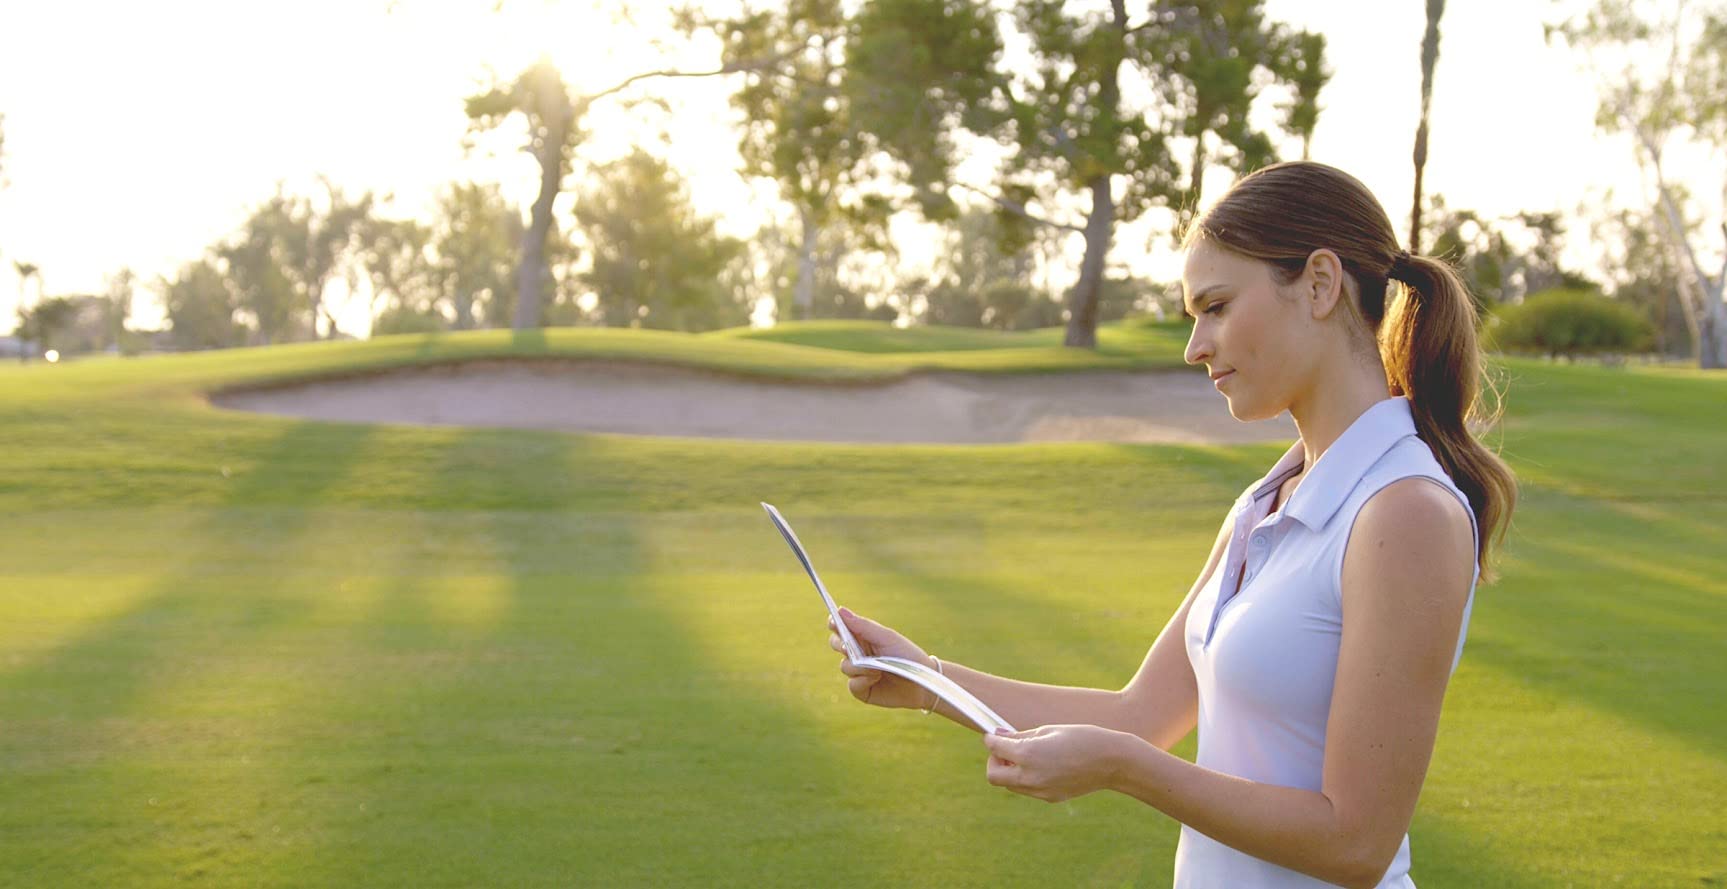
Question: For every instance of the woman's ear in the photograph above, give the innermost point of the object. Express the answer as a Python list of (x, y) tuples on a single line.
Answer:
[(1323, 282)]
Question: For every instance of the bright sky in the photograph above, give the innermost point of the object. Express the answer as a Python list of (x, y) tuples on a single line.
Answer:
[(137, 134)]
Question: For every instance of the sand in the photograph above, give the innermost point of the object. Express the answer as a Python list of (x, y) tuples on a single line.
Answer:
[(639, 399)]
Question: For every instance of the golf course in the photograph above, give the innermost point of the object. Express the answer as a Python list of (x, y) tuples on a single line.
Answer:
[(247, 649)]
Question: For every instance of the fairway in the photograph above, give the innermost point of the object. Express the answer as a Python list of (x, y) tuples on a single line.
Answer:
[(249, 650)]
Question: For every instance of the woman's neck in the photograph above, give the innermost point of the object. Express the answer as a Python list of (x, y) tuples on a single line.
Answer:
[(1335, 400)]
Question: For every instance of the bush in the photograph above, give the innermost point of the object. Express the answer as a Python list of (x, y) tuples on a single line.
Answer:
[(1569, 323), (397, 319)]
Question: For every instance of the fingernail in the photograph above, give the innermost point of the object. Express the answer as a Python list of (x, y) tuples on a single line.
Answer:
[(1002, 731)]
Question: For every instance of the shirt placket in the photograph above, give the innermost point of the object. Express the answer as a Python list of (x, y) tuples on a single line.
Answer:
[(1234, 562)]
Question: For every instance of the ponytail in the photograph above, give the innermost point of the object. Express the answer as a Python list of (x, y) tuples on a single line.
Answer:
[(1431, 354)]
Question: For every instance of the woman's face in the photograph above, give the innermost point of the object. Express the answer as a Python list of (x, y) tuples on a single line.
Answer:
[(1257, 343)]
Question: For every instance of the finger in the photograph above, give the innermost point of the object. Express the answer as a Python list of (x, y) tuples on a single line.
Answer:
[(851, 669), (835, 644), (860, 687), (1003, 774)]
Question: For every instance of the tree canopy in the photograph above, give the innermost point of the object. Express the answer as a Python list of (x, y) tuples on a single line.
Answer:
[(656, 262), (925, 74), (1682, 98)]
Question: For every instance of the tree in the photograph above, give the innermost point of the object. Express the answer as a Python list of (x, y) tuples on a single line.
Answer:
[(476, 233), (656, 262), (201, 307), (116, 307), (925, 71), (984, 278), (405, 276), (44, 322), (1429, 58), (1680, 101), (320, 242), (285, 255), (553, 115), (455, 272), (797, 130), (26, 271), (779, 262), (257, 263), (1643, 274), (1476, 248), (1502, 259)]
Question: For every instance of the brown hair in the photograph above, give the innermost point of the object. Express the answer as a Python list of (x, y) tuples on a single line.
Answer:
[(1282, 213)]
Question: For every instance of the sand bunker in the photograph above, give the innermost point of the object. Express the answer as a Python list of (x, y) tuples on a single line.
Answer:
[(1170, 406)]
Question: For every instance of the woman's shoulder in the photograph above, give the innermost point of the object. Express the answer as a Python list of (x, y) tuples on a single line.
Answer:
[(1406, 496), (1408, 459)]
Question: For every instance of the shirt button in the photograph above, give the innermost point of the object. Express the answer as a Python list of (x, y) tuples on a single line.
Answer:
[(1259, 540)]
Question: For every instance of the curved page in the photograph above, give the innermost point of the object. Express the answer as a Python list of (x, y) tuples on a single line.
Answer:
[(853, 649), (948, 690)]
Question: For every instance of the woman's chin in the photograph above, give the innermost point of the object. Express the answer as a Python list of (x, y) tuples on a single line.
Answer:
[(1247, 412)]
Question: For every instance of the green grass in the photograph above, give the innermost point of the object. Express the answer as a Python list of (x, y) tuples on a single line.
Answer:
[(248, 650)]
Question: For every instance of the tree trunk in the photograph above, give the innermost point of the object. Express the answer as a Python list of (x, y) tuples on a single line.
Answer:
[(464, 310), (1082, 305), (1420, 167), (317, 310), (1712, 342), (1429, 59), (1100, 222), (532, 274), (1195, 182), (1705, 310), (804, 291)]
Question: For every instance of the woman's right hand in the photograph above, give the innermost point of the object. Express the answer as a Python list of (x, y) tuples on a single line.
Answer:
[(874, 686)]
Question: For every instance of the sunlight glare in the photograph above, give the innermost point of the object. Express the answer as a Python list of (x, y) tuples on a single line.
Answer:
[(571, 33)]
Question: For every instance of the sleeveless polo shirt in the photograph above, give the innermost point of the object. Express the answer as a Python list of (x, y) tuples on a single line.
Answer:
[(1265, 655)]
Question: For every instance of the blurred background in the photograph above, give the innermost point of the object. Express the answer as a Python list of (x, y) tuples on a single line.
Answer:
[(198, 175)]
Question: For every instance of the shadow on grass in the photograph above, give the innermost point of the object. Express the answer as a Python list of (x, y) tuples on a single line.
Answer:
[(583, 733), (93, 694), (1618, 611), (1444, 852)]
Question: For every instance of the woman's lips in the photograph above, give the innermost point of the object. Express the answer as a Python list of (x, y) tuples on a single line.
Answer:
[(1219, 380)]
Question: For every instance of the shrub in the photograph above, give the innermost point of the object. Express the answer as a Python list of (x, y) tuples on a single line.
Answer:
[(397, 319), (1569, 323)]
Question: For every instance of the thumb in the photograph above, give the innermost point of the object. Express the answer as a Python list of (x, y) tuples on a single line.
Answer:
[(1002, 742)]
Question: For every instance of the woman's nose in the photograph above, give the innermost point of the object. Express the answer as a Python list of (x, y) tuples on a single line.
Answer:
[(1198, 349)]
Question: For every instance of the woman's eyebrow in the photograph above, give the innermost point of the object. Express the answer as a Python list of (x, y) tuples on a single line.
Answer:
[(1199, 299)]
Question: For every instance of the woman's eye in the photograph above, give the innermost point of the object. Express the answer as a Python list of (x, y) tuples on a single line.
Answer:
[(1213, 309)]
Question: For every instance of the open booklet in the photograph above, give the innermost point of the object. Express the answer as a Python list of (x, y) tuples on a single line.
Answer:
[(944, 688)]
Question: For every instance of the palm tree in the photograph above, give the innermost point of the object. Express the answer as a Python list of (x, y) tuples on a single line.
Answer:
[(1429, 57)]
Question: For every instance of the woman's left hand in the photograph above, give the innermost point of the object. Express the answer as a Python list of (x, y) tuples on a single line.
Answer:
[(1055, 763)]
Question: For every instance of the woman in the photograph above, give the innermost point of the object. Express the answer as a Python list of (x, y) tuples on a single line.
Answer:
[(1313, 652)]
